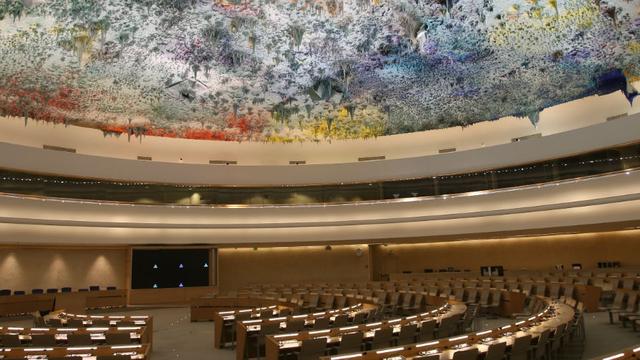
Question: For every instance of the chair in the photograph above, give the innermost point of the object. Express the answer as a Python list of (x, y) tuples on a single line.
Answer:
[(75, 323), (340, 320), (321, 323), (496, 351), (79, 339), (295, 325), (111, 288), (381, 338), (119, 338), (427, 330), (618, 299), (43, 340), (114, 357), (54, 323), (312, 349), (555, 342), (100, 323), (10, 341), (94, 288), (540, 347), (467, 354), (83, 290), (5, 292), (472, 295), (407, 334), (358, 318), (350, 343), (65, 290), (629, 309), (37, 291), (52, 291), (448, 326), (19, 292), (520, 348)]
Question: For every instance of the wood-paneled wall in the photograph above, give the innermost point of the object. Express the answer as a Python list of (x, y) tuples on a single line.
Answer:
[(522, 253), (240, 267), (25, 268)]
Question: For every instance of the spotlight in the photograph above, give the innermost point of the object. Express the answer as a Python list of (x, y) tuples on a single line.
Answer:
[(328, 247)]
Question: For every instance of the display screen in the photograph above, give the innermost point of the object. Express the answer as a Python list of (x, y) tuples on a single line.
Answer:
[(155, 269)]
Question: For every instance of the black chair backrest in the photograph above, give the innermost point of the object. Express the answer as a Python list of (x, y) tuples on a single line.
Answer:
[(66, 289), (52, 291), (94, 288), (382, 338), (350, 343), (37, 291), (19, 292), (407, 334), (120, 338), (43, 340), (10, 340), (79, 339), (75, 323), (321, 323), (111, 288), (312, 349), (340, 320), (496, 351), (295, 325), (469, 354), (82, 290), (114, 357), (5, 292), (427, 330)]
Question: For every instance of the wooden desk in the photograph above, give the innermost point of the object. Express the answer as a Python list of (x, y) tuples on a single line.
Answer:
[(205, 309), (590, 296), (552, 317), (114, 321), (224, 320), (276, 345), (511, 302), (138, 334), (140, 352), (77, 301), (248, 331)]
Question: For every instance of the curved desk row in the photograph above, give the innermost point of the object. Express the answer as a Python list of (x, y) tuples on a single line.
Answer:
[(535, 330), (73, 301), (137, 352), (15, 337), (423, 325)]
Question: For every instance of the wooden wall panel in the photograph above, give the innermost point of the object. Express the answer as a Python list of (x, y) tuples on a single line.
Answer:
[(532, 253), (240, 267), (25, 268)]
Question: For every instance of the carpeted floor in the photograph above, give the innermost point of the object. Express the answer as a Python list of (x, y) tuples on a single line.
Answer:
[(175, 337)]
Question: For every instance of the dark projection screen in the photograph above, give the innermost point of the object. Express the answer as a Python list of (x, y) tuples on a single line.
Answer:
[(169, 268)]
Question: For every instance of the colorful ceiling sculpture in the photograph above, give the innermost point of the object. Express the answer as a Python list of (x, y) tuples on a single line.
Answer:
[(307, 70)]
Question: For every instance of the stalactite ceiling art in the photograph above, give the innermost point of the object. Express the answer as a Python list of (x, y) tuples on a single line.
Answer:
[(307, 70)]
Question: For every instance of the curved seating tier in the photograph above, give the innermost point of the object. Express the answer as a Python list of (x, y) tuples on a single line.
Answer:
[(532, 338), (117, 352)]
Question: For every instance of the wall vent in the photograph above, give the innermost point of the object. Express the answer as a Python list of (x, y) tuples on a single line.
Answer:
[(297, 162), (444, 151), (58, 148), (146, 158), (223, 162), (522, 138), (372, 158)]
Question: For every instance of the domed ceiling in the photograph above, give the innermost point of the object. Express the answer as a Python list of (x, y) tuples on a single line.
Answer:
[(305, 70)]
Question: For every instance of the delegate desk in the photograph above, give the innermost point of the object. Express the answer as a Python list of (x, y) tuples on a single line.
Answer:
[(137, 352), (80, 320), (74, 301), (24, 337), (554, 318), (205, 308), (249, 335), (281, 344), (224, 321), (626, 354)]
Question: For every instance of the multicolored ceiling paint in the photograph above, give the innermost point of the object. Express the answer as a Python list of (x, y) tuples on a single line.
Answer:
[(307, 70)]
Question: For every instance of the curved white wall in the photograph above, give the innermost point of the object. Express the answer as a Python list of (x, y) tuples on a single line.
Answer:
[(607, 199), (598, 136), (561, 118)]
